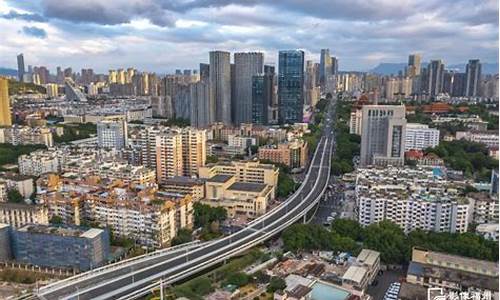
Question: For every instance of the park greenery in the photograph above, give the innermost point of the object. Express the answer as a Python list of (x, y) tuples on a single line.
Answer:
[(348, 145), (209, 219), (73, 132), (470, 157), (9, 153), (387, 238), (275, 284), (227, 274)]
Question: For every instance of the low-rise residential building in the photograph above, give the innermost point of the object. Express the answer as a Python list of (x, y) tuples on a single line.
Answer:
[(18, 215), (143, 213), (488, 137), (23, 184), (413, 198), (25, 135), (185, 186), (38, 163), (245, 198), (452, 272), (488, 231), (241, 141), (63, 247), (420, 136), (244, 171), (485, 208), (293, 154)]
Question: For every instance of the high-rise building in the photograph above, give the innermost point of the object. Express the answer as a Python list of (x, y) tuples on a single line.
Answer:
[(454, 83), (204, 72), (112, 76), (335, 65), (5, 116), (20, 67), (200, 100), (413, 65), (220, 86), (179, 152), (325, 66), (473, 73), (246, 66), (435, 76), (262, 95), (420, 137), (383, 135), (112, 134), (311, 90), (290, 86)]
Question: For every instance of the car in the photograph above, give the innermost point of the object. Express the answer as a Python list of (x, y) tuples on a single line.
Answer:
[(329, 219)]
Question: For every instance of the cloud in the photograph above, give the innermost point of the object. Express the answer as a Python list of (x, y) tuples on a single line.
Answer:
[(34, 31), (107, 12), (23, 16), (161, 35)]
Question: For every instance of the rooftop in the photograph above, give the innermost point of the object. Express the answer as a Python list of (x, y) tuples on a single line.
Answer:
[(247, 187), (220, 178), (184, 180), (63, 231), (368, 257), (466, 279), (355, 274)]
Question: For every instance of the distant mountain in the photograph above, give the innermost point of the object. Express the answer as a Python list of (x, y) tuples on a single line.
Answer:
[(394, 68), (8, 72)]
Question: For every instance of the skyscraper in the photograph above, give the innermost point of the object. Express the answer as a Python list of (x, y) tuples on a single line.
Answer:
[(383, 135), (204, 72), (435, 74), (262, 95), (335, 65), (413, 65), (246, 66), (220, 86), (290, 86), (312, 92), (473, 73), (200, 99), (5, 117), (20, 67), (325, 66)]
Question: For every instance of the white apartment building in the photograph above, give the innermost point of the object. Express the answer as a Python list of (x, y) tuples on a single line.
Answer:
[(489, 137), (25, 135), (411, 198), (112, 134), (18, 215), (355, 121), (38, 163), (240, 141), (420, 136)]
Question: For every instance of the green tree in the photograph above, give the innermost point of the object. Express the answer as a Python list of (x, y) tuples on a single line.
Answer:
[(205, 214), (387, 238), (212, 159), (275, 284), (239, 279), (286, 185), (56, 220), (183, 236), (348, 228), (13, 196)]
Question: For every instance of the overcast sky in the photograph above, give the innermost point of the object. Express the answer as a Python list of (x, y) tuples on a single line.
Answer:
[(163, 35)]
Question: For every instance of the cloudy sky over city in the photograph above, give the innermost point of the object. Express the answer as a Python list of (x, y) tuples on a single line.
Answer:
[(163, 35)]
